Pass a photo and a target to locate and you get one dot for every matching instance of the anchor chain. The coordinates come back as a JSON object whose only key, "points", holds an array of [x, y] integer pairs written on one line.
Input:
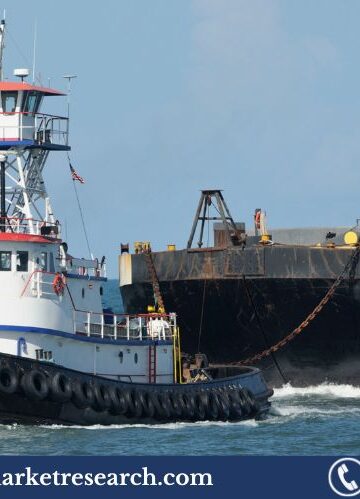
{"points": [[280, 344], [154, 281]]}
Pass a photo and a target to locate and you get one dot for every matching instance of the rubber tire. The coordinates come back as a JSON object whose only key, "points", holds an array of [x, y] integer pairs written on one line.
{"points": [[252, 404], [83, 394], [138, 398], [35, 385], [155, 398], [213, 406], [102, 400], [9, 381], [237, 406], [200, 413], [224, 404], [118, 402], [165, 405], [190, 406], [130, 403], [148, 405], [60, 388], [176, 407]]}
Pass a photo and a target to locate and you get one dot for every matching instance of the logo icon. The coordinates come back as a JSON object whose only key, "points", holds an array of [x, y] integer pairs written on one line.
{"points": [[344, 477]]}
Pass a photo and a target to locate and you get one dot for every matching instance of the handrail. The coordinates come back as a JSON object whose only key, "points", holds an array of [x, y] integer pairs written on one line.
{"points": [[19, 225], [109, 325], [29, 113]]}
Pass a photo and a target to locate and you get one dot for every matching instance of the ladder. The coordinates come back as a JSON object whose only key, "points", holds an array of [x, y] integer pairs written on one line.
{"points": [[152, 363]]}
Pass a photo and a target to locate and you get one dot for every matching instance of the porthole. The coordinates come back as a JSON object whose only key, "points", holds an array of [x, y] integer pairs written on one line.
{"points": [[83, 293], [121, 357], [136, 358]]}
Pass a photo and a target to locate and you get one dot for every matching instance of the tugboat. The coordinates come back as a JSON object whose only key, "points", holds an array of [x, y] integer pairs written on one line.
{"points": [[63, 359]]}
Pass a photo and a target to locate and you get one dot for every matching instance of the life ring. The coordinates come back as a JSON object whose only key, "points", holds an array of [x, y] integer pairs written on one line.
{"points": [[59, 284], [83, 394], [102, 400], [60, 388], [8, 380], [35, 385]]}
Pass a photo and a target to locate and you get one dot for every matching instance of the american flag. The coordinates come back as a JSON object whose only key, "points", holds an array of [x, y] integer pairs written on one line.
{"points": [[76, 176]]}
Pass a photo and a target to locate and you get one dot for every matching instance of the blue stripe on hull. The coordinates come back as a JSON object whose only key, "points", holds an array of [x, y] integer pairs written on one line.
{"points": [[54, 332]]}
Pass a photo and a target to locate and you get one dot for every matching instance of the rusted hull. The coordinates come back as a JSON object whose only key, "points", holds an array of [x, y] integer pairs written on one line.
{"points": [[241, 303]]}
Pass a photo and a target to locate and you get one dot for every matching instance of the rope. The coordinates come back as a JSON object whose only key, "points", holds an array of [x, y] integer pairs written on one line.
{"points": [[81, 214], [262, 329], [205, 281], [274, 348]]}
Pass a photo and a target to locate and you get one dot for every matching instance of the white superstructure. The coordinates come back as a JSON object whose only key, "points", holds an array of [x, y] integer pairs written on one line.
{"points": [[51, 303]]}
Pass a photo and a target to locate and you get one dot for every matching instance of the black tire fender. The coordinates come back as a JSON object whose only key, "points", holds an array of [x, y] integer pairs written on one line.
{"points": [[129, 401], [190, 405], [138, 398], [148, 405], [83, 394], [155, 398], [9, 380], [60, 387], [35, 385], [224, 404], [165, 404], [176, 406], [118, 402], [200, 406], [102, 400], [214, 407]]}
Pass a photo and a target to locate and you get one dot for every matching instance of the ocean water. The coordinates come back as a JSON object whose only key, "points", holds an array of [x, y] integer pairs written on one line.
{"points": [[317, 420]]}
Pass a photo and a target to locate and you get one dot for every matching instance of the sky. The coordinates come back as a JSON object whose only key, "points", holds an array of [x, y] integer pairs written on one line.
{"points": [[259, 98]]}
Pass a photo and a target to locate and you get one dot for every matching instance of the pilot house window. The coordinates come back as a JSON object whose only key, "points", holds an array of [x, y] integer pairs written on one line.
{"points": [[30, 102], [8, 102], [5, 260], [22, 258]]}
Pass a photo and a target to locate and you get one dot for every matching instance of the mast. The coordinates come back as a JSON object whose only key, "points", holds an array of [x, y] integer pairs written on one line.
{"points": [[2, 45]]}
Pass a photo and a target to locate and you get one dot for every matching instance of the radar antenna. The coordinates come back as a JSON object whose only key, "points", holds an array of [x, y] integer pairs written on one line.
{"points": [[2, 45]]}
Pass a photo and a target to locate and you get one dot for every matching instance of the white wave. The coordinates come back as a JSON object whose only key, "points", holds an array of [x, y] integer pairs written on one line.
{"points": [[164, 426], [323, 390], [290, 410]]}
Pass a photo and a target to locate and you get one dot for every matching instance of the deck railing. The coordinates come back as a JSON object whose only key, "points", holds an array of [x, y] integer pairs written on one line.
{"points": [[14, 225], [122, 326], [39, 127]]}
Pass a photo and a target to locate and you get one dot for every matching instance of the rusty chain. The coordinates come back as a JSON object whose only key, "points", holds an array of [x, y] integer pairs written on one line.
{"points": [[280, 344], [154, 281]]}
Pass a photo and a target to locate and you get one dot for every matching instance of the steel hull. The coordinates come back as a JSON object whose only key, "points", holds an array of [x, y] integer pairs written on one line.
{"points": [[233, 317]]}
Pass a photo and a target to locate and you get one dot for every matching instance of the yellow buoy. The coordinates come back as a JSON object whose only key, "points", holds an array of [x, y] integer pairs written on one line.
{"points": [[351, 237], [171, 247]]}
